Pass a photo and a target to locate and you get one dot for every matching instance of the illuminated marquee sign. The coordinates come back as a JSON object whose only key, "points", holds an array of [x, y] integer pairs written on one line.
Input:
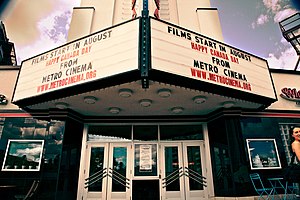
{"points": [[183, 52], [93, 57]]}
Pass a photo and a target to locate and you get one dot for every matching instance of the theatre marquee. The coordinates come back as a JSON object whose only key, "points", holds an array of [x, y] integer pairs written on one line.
{"points": [[182, 52], [102, 54]]}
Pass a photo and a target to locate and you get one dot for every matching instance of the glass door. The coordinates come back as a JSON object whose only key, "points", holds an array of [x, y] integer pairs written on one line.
{"points": [[96, 171], [182, 171], [172, 182], [194, 168], [119, 180], [108, 171]]}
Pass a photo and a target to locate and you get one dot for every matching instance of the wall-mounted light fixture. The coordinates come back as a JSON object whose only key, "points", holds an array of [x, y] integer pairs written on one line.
{"points": [[3, 100], [125, 93], [89, 99], [145, 102], [177, 110], [114, 110], [61, 105], [228, 104], [199, 99], [164, 93]]}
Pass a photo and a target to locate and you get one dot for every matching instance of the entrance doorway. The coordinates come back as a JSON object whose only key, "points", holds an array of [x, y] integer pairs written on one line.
{"points": [[145, 190], [107, 171], [183, 167], [128, 170]]}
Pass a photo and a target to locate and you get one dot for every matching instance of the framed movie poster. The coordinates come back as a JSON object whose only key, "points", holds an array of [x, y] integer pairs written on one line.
{"points": [[23, 155], [263, 154], [145, 159]]}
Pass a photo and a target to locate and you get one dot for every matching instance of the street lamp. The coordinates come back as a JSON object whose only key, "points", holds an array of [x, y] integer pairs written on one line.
{"points": [[290, 28]]}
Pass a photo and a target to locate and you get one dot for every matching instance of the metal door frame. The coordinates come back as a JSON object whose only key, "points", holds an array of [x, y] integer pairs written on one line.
{"points": [[108, 174], [183, 173]]}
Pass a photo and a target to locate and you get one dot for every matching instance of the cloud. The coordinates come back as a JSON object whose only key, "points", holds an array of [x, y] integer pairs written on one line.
{"points": [[41, 45], [286, 60], [55, 26], [30, 151], [272, 5], [38, 26], [261, 20], [276, 9], [283, 14], [20, 24], [284, 57], [50, 31]]}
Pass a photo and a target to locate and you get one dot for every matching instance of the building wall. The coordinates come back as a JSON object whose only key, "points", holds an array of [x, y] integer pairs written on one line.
{"points": [[287, 89], [227, 136], [59, 169], [70, 161], [8, 77], [93, 16]]}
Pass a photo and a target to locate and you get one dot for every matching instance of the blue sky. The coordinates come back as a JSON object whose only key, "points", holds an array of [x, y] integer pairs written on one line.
{"points": [[250, 25]]}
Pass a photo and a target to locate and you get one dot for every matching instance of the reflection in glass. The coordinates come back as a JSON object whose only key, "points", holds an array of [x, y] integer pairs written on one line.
{"points": [[53, 163], [109, 133], [1, 130], [119, 169], [172, 165], [181, 132], [96, 165], [194, 163], [145, 132], [30, 129]]}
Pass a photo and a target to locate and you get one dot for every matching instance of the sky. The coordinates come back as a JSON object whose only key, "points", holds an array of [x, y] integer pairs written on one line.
{"points": [[36, 26], [253, 26]]}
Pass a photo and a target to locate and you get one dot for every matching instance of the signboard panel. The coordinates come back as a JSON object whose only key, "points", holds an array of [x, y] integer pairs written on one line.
{"points": [[179, 51], [288, 90], [103, 54]]}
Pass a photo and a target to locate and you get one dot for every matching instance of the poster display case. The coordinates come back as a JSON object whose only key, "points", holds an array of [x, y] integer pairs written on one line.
{"points": [[145, 163], [263, 154], [23, 155]]}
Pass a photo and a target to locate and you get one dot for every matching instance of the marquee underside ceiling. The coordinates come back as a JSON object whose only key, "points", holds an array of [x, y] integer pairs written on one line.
{"points": [[130, 99]]}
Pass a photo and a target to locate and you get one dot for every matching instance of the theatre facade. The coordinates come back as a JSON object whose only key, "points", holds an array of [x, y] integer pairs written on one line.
{"points": [[150, 105]]}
